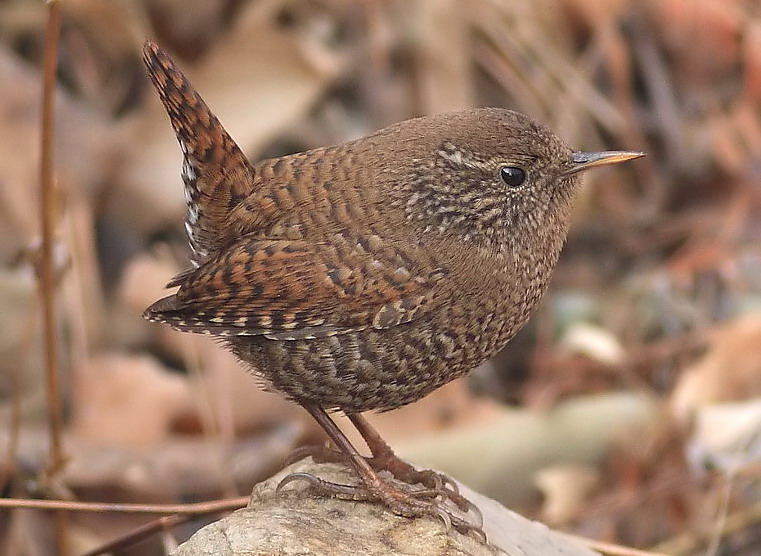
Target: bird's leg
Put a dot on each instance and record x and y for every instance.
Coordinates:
(402, 500)
(384, 458)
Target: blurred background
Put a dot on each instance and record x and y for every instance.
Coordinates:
(629, 410)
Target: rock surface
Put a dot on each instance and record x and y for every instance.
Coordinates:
(292, 521)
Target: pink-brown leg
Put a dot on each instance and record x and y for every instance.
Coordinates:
(408, 502)
(384, 458)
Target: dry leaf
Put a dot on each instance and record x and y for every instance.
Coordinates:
(592, 341)
(729, 371)
(128, 401)
(566, 488)
(726, 436)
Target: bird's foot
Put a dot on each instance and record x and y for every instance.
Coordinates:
(441, 485)
(402, 498)
(444, 486)
(386, 479)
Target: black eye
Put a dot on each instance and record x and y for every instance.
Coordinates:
(512, 175)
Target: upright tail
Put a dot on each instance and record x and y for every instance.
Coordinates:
(216, 173)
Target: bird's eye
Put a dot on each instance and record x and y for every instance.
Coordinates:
(512, 175)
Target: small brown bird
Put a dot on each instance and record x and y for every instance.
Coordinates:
(363, 276)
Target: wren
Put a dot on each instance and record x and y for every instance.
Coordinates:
(365, 275)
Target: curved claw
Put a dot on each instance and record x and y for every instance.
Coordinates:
(327, 488)
(425, 493)
(297, 455)
(450, 482)
(454, 496)
(462, 525)
(444, 516)
(479, 532)
(479, 515)
(320, 454)
(295, 477)
(466, 527)
(438, 481)
(464, 505)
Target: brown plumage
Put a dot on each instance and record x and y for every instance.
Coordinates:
(365, 275)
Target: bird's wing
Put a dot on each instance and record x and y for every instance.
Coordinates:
(286, 289)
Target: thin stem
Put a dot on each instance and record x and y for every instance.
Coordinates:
(143, 532)
(47, 270)
(47, 215)
(100, 507)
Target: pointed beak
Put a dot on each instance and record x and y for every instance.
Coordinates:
(584, 161)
